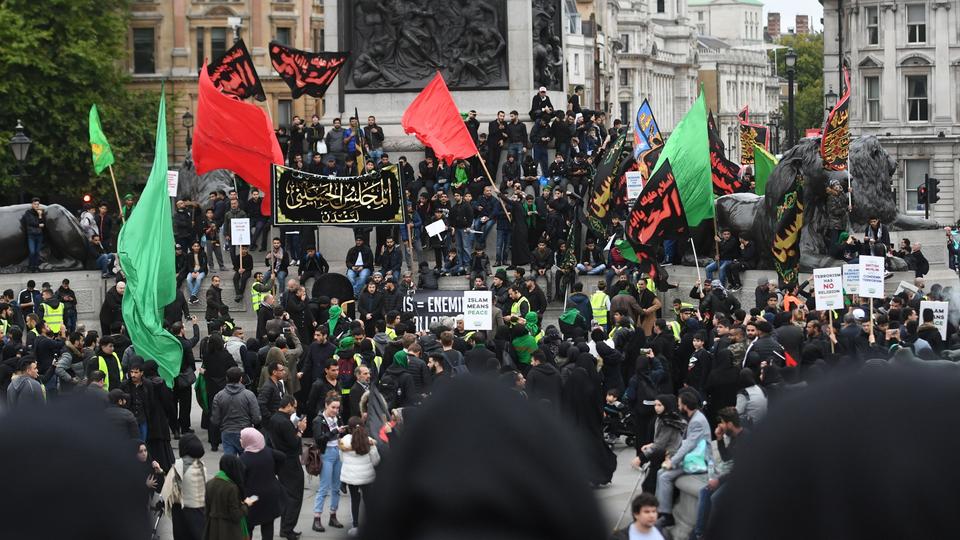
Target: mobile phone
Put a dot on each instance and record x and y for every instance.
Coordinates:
(254, 498)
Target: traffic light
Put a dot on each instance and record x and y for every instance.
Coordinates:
(933, 190)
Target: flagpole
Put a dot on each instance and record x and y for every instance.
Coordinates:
(832, 345)
(494, 186)
(117, 193)
(697, 262)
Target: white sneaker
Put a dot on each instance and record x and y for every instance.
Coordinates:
(353, 531)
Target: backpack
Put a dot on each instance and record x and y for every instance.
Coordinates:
(389, 387)
(457, 365)
(313, 460)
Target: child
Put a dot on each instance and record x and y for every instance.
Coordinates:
(451, 266)
(480, 264)
(614, 412)
(698, 367)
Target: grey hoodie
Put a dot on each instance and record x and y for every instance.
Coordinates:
(24, 391)
(235, 408)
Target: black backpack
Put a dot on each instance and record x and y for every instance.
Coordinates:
(389, 387)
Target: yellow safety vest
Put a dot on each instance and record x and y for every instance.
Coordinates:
(515, 308)
(346, 391)
(615, 328)
(34, 332)
(256, 297)
(390, 332)
(4, 325)
(675, 326)
(102, 366)
(598, 301)
(53, 316)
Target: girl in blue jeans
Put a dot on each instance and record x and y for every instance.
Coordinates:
(327, 432)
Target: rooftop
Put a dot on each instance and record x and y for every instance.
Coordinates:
(708, 2)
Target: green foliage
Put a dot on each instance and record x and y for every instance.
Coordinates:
(809, 104)
(57, 58)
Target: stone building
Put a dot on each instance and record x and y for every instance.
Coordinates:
(904, 83)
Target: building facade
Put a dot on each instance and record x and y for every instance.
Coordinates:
(903, 76)
(170, 39)
(773, 25)
(737, 22)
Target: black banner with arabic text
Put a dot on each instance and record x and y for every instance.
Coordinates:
(311, 199)
(306, 72)
(234, 74)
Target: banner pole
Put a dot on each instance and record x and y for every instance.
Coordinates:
(117, 193)
(697, 262)
(832, 345)
(494, 186)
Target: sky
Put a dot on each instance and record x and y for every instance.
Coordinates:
(789, 9)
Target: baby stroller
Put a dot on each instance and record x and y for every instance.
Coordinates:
(618, 421)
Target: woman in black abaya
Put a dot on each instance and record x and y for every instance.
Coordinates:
(582, 405)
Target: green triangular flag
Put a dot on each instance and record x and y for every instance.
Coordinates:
(763, 164)
(147, 258)
(688, 150)
(102, 154)
(627, 251)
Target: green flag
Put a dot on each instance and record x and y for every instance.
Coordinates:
(147, 258)
(688, 150)
(763, 164)
(102, 154)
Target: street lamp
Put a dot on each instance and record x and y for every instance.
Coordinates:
(830, 99)
(775, 118)
(791, 60)
(188, 125)
(20, 144)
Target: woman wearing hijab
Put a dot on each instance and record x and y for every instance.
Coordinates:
(215, 360)
(226, 509)
(667, 436)
(359, 455)
(151, 470)
(260, 478)
(162, 408)
(582, 404)
(184, 490)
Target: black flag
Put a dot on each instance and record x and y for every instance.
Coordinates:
(726, 174)
(658, 212)
(234, 74)
(306, 72)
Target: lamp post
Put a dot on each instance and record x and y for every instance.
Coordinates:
(187, 120)
(775, 118)
(830, 99)
(730, 131)
(791, 60)
(20, 144)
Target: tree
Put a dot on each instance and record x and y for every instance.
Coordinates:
(59, 57)
(808, 100)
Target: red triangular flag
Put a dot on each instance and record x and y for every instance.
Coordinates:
(433, 117)
(234, 135)
(789, 359)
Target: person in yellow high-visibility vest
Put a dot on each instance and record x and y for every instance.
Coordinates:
(109, 364)
(600, 304)
(520, 306)
(52, 311)
(259, 290)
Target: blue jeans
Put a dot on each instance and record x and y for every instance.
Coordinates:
(105, 263)
(375, 155)
(329, 481)
(464, 246)
(712, 267)
(703, 508)
(563, 148)
(358, 279)
(484, 229)
(142, 426)
(503, 244)
(293, 246)
(669, 250)
(70, 320)
(597, 270)
(231, 443)
(452, 267)
(35, 244)
(281, 278)
(540, 156)
(515, 149)
(193, 284)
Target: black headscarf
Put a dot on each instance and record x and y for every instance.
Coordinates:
(191, 446)
(669, 402)
(444, 462)
(879, 471)
(234, 469)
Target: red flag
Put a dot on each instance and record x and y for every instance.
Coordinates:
(234, 135)
(433, 117)
(788, 359)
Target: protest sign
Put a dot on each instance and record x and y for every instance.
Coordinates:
(828, 284)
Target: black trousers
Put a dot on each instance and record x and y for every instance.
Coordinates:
(240, 280)
(291, 478)
(184, 400)
(266, 531)
(355, 496)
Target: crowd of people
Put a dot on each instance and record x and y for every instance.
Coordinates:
(326, 386)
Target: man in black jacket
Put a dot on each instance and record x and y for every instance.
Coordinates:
(32, 222)
(478, 358)
(182, 386)
(517, 142)
(728, 252)
(313, 266)
(461, 219)
(216, 309)
(272, 392)
(541, 104)
(285, 438)
(543, 381)
(496, 140)
(359, 262)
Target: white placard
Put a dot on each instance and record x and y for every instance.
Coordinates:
(240, 231)
(904, 286)
(173, 179)
(851, 279)
(477, 310)
(634, 186)
(939, 315)
(828, 284)
(437, 227)
(871, 276)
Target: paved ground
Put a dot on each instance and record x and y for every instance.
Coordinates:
(612, 499)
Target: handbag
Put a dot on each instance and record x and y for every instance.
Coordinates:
(695, 462)
(185, 380)
(313, 460)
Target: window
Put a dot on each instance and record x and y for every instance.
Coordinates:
(285, 111)
(916, 23)
(699, 15)
(625, 41)
(624, 77)
(573, 17)
(576, 63)
(625, 112)
(318, 40)
(916, 170)
(872, 85)
(143, 51)
(917, 98)
(218, 42)
(661, 6)
(283, 36)
(873, 25)
(200, 46)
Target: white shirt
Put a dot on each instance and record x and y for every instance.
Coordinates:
(654, 534)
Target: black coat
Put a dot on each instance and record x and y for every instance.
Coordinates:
(260, 479)
(111, 311)
(543, 383)
(216, 309)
